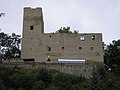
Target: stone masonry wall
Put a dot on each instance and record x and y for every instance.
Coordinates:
(75, 69)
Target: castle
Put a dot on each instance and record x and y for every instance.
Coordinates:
(40, 46)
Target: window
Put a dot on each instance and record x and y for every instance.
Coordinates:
(82, 38)
(91, 48)
(31, 27)
(62, 48)
(93, 37)
(49, 35)
(80, 47)
(49, 48)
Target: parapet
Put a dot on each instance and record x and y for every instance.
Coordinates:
(29, 8)
(32, 12)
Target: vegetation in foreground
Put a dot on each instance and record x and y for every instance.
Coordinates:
(42, 79)
(29, 79)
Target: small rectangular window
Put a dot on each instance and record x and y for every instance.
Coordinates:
(91, 48)
(93, 37)
(80, 47)
(31, 27)
(49, 35)
(82, 38)
(49, 48)
(62, 48)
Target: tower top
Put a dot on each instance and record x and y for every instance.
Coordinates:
(32, 8)
(33, 18)
(33, 12)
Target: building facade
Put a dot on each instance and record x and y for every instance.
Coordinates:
(42, 46)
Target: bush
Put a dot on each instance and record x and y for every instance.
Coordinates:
(38, 85)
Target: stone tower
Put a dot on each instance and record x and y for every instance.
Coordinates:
(33, 27)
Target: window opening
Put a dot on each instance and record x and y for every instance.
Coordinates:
(48, 60)
(49, 48)
(31, 59)
(49, 35)
(91, 48)
(31, 27)
(82, 38)
(80, 47)
(93, 37)
(63, 48)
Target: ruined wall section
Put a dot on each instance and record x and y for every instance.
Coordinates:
(71, 46)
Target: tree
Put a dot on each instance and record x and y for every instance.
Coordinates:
(95, 82)
(4, 77)
(9, 46)
(52, 87)
(38, 85)
(2, 44)
(64, 30)
(44, 76)
(112, 56)
(1, 14)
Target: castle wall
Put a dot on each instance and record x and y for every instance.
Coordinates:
(39, 45)
(75, 69)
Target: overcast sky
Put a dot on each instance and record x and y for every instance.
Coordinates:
(83, 15)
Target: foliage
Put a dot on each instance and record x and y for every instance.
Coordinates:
(66, 30)
(38, 85)
(102, 80)
(44, 76)
(9, 46)
(27, 79)
(95, 82)
(42, 79)
(112, 56)
(111, 81)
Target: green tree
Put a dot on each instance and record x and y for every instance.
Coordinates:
(111, 81)
(21, 79)
(38, 85)
(44, 75)
(1, 85)
(9, 46)
(2, 45)
(4, 77)
(64, 30)
(112, 56)
(52, 87)
(95, 82)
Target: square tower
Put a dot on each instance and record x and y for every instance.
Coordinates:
(33, 27)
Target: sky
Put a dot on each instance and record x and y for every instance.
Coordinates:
(85, 16)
